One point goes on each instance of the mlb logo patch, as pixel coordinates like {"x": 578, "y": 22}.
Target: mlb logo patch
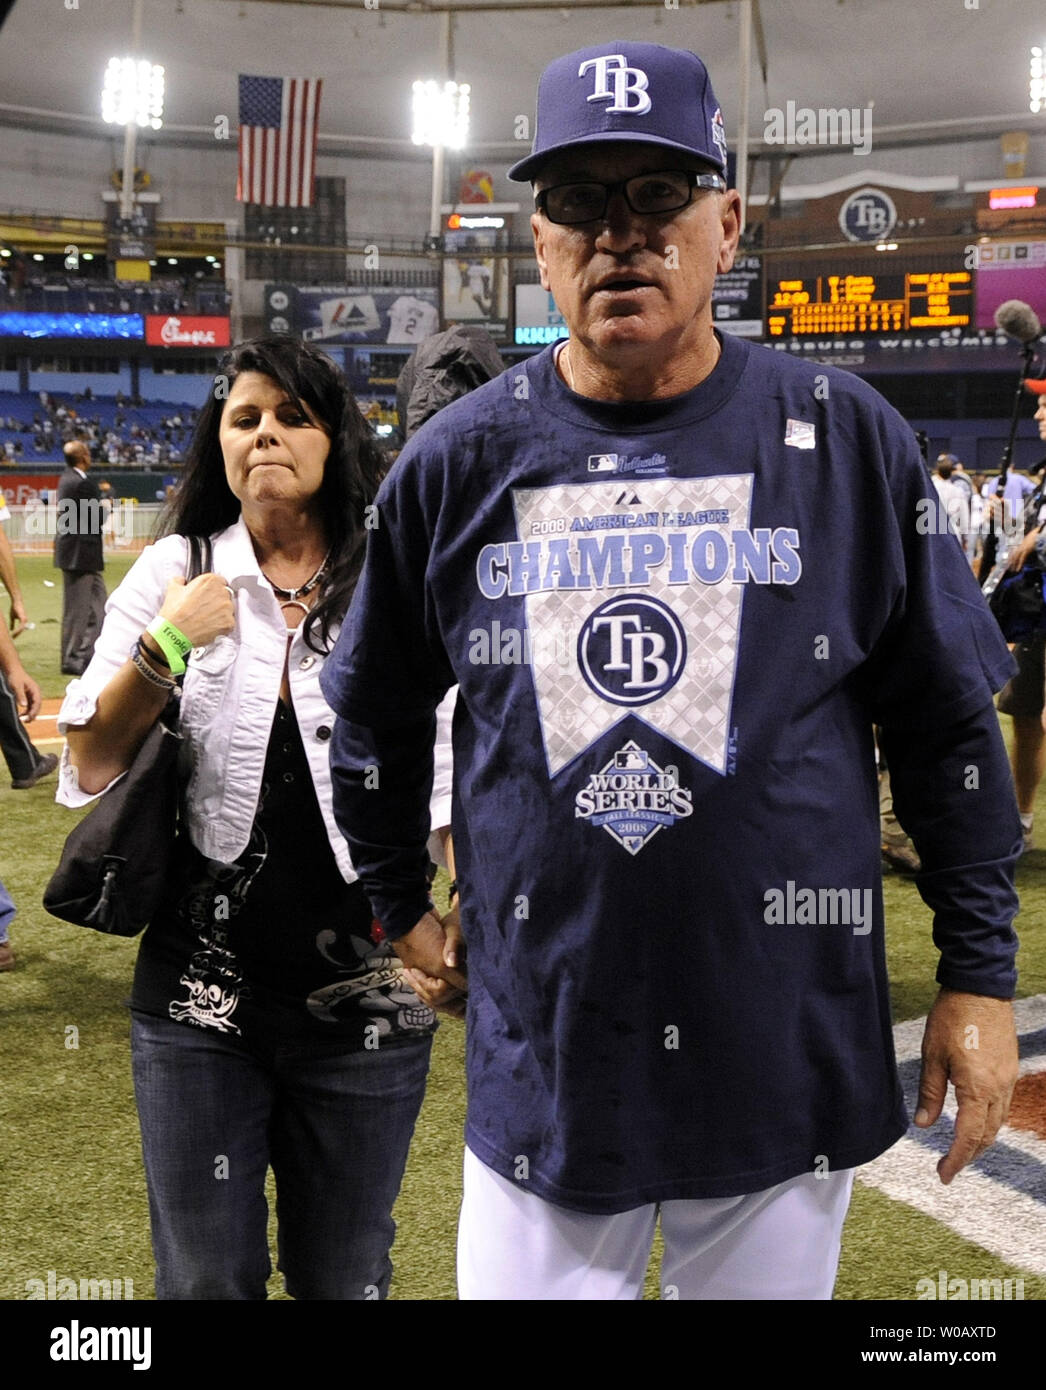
{"x": 719, "y": 133}
{"x": 602, "y": 463}
{"x": 800, "y": 434}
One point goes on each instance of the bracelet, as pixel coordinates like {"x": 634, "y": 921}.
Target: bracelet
{"x": 172, "y": 642}
{"x": 147, "y": 650}
{"x": 141, "y": 664}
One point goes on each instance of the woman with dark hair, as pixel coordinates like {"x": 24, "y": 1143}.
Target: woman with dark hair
{"x": 272, "y": 1024}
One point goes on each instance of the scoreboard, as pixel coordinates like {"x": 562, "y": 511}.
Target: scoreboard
{"x": 867, "y": 304}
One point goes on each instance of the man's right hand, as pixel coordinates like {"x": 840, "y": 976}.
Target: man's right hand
{"x": 432, "y": 952}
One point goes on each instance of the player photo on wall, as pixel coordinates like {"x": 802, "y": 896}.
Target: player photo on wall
{"x": 475, "y": 286}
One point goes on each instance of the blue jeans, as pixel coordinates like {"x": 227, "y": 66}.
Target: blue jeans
{"x": 335, "y": 1126}
{"x": 7, "y": 911}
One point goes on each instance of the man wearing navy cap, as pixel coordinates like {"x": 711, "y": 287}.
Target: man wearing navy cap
{"x": 677, "y": 578}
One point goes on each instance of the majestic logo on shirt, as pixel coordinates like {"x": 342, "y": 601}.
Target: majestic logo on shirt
{"x": 615, "y": 463}
{"x": 612, "y": 81}
{"x": 632, "y": 798}
{"x": 632, "y": 650}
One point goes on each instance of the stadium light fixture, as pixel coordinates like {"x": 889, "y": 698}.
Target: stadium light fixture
{"x": 133, "y": 93}
{"x": 441, "y": 114}
{"x": 441, "y": 120}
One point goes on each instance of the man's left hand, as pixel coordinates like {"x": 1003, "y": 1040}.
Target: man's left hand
{"x": 970, "y": 1039}
{"x": 19, "y": 617}
{"x": 26, "y": 692}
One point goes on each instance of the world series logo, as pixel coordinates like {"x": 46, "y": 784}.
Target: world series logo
{"x": 633, "y": 798}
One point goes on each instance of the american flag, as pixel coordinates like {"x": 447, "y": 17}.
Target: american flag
{"x": 279, "y": 117}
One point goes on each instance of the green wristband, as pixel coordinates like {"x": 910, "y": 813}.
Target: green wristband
{"x": 172, "y": 642}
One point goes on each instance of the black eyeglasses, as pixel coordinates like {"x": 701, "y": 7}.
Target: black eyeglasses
{"x": 650, "y": 195}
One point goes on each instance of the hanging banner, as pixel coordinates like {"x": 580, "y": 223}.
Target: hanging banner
{"x": 329, "y": 315}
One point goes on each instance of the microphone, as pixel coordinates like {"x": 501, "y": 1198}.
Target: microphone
{"x": 1018, "y": 320}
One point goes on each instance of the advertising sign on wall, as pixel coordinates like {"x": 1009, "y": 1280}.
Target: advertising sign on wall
{"x": 22, "y": 488}
{"x": 475, "y": 286}
{"x": 737, "y": 298}
{"x": 187, "y": 330}
{"x": 1010, "y": 270}
{"x": 328, "y": 315}
{"x": 538, "y": 321}
{"x": 18, "y": 325}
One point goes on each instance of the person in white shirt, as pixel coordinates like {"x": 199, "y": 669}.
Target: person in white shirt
{"x": 955, "y": 502}
{"x": 272, "y": 1023}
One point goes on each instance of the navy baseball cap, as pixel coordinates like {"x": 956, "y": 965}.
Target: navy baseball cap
{"x": 626, "y": 91}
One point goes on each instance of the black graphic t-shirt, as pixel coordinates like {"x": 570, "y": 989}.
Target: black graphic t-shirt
{"x": 673, "y": 625}
{"x": 276, "y": 945}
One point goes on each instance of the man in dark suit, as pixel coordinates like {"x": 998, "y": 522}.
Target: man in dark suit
{"x": 78, "y": 554}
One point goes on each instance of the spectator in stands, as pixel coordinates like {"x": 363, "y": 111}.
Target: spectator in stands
{"x": 78, "y": 554}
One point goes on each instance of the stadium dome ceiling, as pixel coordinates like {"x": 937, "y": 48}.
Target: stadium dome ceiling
{"x": 930, "y": 69}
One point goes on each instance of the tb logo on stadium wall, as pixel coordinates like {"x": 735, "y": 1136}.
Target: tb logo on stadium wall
{"x": 613, "y": 85}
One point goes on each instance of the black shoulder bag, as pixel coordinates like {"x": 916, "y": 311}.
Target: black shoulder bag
{"x": 116, "y": 863}
{"x": 1018, "y": 601}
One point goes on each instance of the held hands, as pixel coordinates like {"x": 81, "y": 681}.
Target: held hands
{"x": 433, "y": 954}
{"x": 971, "y": 1040}
{"x": 203, "y": 610}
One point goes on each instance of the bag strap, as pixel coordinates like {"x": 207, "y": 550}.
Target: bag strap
{"x": 201, "y": 557}
{"x": 201, "y": 561}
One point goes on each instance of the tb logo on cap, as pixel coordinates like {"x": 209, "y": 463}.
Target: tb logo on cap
{"x": 612, "y": 81}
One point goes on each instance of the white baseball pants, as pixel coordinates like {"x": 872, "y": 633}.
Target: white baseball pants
{"x": 782, "y": 1243}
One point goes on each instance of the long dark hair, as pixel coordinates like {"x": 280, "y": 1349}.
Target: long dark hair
{"x": 203, "y": 503}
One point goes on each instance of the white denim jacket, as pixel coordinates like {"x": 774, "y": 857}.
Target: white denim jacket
{"x": 229, "y": 700}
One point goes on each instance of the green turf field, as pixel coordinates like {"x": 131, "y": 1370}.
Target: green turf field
{"x": 72, "y": 1193}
